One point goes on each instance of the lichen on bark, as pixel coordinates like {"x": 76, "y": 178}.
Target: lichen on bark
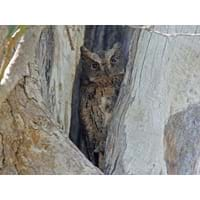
{"x": 31, "y": 140}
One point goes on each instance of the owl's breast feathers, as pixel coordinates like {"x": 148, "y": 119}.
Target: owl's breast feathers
{"x": 104, "y": 81}
{"x": 97, "y": 102}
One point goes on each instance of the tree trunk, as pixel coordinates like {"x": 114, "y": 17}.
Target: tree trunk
{"x": 156, "y": 124}
{"x": 155, "y": 127}
{"x": 35, "y": 94}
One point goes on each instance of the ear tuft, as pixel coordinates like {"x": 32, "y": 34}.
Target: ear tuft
{"x": 84, "y": 51}
{"x": 88, "y": 55}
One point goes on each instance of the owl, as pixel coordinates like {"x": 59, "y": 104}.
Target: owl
{"x": 101, "y": 77}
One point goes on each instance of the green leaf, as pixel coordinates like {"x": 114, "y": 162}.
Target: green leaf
{"x": 11, "y": 30}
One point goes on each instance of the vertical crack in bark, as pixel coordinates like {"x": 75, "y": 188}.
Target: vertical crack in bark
{"x": 112, "y": 170}
{"x": 45, "y": 60}
{"x": 144, "y": 59}
{"x": 122, "y": 105}
{"x": 70, "y": 38}
{"x": 2, "y": 152}
{"x": 18, "y": 158}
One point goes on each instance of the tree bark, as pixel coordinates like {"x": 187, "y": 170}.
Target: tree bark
{"x": 156, "y": 125}
{"x": 31, "y": 105}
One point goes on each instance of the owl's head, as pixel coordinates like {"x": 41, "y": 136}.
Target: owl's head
{"x": 105, "y": 63}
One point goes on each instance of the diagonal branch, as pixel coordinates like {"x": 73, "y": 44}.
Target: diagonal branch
{"x": 17, "y": 68}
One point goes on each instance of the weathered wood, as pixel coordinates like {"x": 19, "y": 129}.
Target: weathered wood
{"x": 162, "y": 80}
{"x": 31, "y": 140}
{"x": 155, "y": 127}
{"x": 57, "y": 59}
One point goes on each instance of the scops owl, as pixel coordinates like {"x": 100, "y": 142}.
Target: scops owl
{"x": 101, "y": 77}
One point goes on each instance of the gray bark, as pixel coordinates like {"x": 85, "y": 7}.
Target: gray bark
{"x": 155, "y": 128}
{"x": 35, "y": 94}
{"x": 155, "y": 125}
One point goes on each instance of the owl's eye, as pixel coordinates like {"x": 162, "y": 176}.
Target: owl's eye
{"x": 113, "y": 60}
{"x": 94, "y": 66}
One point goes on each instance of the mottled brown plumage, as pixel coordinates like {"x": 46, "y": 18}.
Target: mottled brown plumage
{"x": 101, "y": 78}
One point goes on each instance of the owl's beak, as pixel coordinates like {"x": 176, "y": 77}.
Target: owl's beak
{"x": 107, "y": 71}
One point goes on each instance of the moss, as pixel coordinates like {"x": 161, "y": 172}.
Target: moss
{"x": 10, "y": 44}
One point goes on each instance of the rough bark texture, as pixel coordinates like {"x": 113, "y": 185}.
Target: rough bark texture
{"x": 31, "y": 140}
{"x": 155, "y": 126}
{"x": 58, "y": 56}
